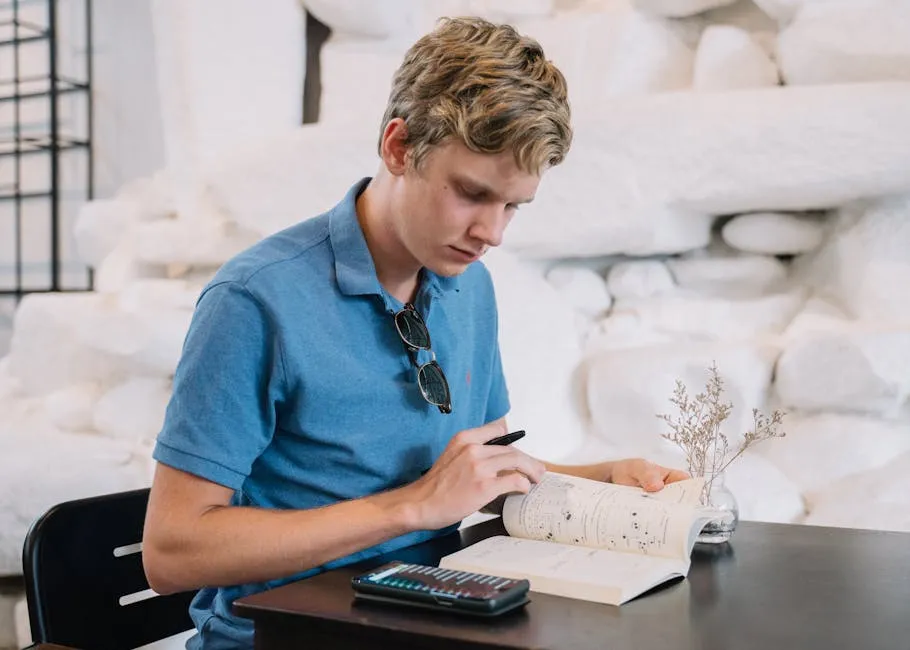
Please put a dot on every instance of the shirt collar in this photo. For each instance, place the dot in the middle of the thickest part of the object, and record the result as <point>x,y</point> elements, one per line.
<point>354,268</point>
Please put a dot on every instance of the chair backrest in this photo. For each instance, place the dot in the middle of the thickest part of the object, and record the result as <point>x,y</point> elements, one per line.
<point>84,580</point>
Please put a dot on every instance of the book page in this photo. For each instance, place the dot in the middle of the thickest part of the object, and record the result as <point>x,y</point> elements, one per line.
<point>571,571</point>
<point>582,512</point>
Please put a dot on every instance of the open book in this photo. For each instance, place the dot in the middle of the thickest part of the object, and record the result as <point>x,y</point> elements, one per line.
<point>596,541</point>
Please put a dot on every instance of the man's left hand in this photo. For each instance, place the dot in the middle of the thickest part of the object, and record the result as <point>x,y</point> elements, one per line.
<point>639,472</point>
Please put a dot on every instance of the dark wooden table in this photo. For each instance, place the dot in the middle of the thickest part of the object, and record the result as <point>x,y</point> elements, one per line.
<point>773,587</point>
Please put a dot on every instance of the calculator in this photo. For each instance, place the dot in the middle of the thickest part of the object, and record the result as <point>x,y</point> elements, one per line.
<point>429,587</point>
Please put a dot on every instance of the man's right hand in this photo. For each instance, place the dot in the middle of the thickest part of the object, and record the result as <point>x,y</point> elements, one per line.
<point>469,475</point>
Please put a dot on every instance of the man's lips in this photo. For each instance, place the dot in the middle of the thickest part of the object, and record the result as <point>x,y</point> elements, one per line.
<point>467,254</point>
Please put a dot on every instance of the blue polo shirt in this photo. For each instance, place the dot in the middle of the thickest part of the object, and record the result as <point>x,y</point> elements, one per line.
<point>295,390</point>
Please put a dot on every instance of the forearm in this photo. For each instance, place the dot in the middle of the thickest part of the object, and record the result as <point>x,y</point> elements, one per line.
<point>597,471</point>
<point>229,545</point>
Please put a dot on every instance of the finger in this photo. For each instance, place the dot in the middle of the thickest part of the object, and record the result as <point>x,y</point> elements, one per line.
<point>512,483</point>
<point>512,460</point>
<point>674,475</point>
<point>480,435</point>
<point>650,477</point>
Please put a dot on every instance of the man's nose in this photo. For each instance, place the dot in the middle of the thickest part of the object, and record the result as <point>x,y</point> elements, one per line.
<point>491,225</point>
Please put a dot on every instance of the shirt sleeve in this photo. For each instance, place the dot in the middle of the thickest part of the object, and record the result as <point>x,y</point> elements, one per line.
<point>222,411</point>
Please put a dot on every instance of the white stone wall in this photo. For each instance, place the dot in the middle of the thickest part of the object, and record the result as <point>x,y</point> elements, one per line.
<point>738,192</point>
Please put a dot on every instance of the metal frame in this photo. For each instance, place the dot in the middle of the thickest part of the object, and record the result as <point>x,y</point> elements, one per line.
<point>53,143</point>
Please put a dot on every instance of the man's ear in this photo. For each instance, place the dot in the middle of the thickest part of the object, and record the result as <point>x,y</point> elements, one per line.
<point>394,149</point>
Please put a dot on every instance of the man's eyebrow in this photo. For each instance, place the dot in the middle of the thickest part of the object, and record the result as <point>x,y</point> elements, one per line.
<point>478,187</point>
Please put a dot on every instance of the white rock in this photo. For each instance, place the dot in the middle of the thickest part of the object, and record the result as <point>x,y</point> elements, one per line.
<point>100,226</point>
<point>202,49</point>
<point>846,42</point>
<point>70,408</point>
<point>143,295</point>
<point>148,342</point>
<point>406,20</point>
<point>46,353</point>
<point>821,449</point>
<point>602,226</point>
<point>728,274</point>
<point>153,195</point>
<point>627,389</point>
<point>729,59</point>
<point>188,241</point>
<point>774,233</point>
<point>862,367</point>
<point>71,466</point>
<point>582,288</point>
<point>562,6</point>
<point>60,340</point>
<point>121,267</point>
<point>781,10</point>
<point>639,279</point>
<point>821,146</point>
<point>818,316</point>
<point>677,8</point>
<point>390,19</point>
<point>198,277</point>
<point>543,387</point>
<point>10,386</point>
<point>864,263</point>
<point>621,330</point>
<point>510,10</point>
<point>277,183</point>
<point>615,51</point>
<point>763,493</point>
<point>875,498</point>
<point>695,316</point>
<point>356,79</point>
<point>746,15</point>
<point>654,58</point>
<point>133,410</point>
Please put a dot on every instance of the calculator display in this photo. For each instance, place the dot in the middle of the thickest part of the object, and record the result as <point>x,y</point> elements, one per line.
<point>439,581</point>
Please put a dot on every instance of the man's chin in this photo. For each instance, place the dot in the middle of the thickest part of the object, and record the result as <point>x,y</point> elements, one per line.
<point>448,269</point>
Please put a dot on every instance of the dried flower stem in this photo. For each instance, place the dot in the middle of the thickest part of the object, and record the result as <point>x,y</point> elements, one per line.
<point>696,429</point>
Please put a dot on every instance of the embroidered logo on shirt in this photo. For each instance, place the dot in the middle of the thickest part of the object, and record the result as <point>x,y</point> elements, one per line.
<point>467,378</point>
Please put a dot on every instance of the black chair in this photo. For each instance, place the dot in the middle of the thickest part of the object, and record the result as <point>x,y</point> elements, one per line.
<point>80,559</point>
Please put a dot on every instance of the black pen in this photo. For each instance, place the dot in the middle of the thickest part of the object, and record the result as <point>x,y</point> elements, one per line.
<point>507,439</point>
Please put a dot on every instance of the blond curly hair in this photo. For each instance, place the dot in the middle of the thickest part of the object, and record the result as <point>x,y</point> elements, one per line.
<point>486,85</point>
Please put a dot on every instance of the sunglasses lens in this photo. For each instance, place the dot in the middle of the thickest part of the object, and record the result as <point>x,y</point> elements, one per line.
<point>430,378</point>
<point>434,386</point>
<point>412,329</point>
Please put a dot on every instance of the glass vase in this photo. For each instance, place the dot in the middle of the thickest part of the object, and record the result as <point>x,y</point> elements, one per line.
<point>719,500</point>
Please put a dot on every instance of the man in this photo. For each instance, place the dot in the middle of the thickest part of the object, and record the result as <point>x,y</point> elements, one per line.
<point>314,421</point>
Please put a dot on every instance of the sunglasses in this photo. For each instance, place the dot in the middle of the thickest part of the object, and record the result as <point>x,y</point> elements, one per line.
<point>430,378</point>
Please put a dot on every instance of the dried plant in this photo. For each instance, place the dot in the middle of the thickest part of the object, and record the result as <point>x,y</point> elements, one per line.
<point>697,429</point>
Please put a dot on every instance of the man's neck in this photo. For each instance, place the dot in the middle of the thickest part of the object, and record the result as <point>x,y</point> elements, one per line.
<point>396,269</point>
